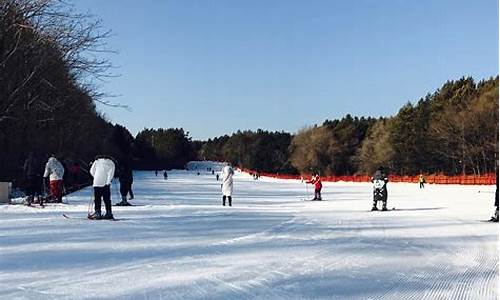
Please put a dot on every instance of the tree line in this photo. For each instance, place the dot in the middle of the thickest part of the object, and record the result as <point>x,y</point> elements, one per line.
<point>49,96</point>
<point>452,131</point>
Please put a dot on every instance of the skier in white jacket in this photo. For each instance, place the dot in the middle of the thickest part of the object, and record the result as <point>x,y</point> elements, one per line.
<point>54,171</point>
<point>227,185</point>
<point>103,171</point>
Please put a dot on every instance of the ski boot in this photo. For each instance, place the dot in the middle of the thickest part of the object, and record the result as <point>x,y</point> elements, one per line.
<point>124,202</point>
<point>95,216</point>
<point>374,207</point>
<point>384,206</point>
<point>107,216</point>
<point>494,218</point>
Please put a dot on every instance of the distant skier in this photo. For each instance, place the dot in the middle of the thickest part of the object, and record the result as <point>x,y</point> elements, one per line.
<point>379,180</point>
<point>227,185</point>
<point>103,171</point>
<point>156,173</point>
<point>217,177</point>
<point>33,174</point>
<point>495,216</point>
<point>165,175</point>
<point>54,172</point>
<point>421,180</point>
<point>316,181</point>
<point>126,179</point>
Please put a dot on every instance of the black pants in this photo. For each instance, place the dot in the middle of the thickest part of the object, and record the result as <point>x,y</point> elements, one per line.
<point>380,195</point>
<point>421,185</point>
<point>126,188</point>
<point>224,200</point>
<point>34,186</point>
<point>317,194</point>
<point>102,193</point>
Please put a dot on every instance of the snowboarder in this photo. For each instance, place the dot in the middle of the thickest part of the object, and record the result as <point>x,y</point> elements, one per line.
<point>379,181</point>
<point>495,216</point>
<point>165,175</point>
<point>33,175</point>
<point>421,180</point>
<point>227,185</point>
<point>316,180</point>
<point>103,171</point>
<point>126,179</point>
<point>54,172</point>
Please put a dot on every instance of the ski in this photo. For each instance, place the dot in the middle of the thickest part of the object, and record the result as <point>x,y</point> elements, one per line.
<point>383,210</point>
<point>32,205</point>
<point>85,218</point>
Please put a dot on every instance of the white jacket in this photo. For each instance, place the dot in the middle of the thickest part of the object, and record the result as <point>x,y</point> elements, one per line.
<point>103,171</point>
<point>227,181</point>
<point>54,169</point>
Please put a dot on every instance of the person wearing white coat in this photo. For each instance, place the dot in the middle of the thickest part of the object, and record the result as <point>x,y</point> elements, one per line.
<point>54,171</point>
<point>103,171</point>
<point>227,185</point>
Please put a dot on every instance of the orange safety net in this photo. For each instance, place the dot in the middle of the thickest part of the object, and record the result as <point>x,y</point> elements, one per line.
<point>486,179</point>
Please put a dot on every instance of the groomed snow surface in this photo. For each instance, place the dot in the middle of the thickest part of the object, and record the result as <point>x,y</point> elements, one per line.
<point>180,243</point>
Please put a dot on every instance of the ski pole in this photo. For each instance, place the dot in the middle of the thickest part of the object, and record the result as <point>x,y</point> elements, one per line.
<point>307,189</point>
<point>116,189</point>
<point>89,210</point>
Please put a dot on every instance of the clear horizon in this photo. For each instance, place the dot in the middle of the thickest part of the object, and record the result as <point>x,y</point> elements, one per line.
<point>213,68</point>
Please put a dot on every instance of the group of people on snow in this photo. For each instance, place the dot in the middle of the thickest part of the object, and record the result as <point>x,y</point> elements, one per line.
<point>51,180</point>
<point>103,169</point>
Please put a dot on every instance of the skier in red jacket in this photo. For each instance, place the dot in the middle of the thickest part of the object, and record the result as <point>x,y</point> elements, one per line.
<point>316,180</point>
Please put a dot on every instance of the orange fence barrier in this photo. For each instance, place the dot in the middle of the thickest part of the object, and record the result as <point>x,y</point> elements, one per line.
<point>487,179</point>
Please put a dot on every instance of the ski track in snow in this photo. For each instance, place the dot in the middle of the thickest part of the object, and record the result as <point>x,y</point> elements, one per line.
<point>180,243</point>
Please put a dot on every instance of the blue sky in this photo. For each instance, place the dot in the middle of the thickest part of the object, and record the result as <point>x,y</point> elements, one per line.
<point>213,67</point>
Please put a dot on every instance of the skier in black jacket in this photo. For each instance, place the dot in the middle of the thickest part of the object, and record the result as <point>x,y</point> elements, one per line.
<point>379,180</point>
<point>126,179</point>
<point>33,174</point>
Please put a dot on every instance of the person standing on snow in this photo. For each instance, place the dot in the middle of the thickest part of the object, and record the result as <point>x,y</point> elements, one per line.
<point>316,180</point>
<point>33,174</point>
<point>379,181</point>
<point>103,171</point>
<point>495,216</point>
<point>421,180</point>
<point>54,172</point>
<point>126,179</point>
<point>227,185</point>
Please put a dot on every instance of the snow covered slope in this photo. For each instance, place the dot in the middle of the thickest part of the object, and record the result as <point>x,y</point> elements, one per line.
<point>180,243</point>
